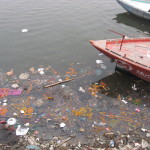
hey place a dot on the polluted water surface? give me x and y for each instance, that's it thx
(68, 107)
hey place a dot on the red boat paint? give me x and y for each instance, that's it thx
(131, 54)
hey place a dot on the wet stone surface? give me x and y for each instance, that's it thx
(99, 114)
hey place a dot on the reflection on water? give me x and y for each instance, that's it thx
(133, 21)
(122, 83)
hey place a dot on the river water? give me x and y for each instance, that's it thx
(59, 31)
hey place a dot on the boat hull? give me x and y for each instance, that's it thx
(130, 66)
(134, 10)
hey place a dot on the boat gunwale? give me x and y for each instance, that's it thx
(147, 12)
(132, 62)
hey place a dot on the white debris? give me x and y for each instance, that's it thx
(41, 71)
(79, 144)
(15, 114)
(25, 30)
(81, 89)
(102, 124)
(137, 145)
(22, 111)
(124, 101)
(11, 121)
(4, 104)
(144, 130)
(145, 144)
(134, 87)
(148, 135)
(27, 124)
(5, 100)
(21, 131)
(62, 125)
(99, 61)
(63, 86)
(15, 86)
(60, 80)
(24, 76)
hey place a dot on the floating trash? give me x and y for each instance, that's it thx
(62, 125)
(81, 89)
(5, 100)
(21, 131)
(15, 86)
(111, 143)
(137, 110)
(11, 121)
(63, 86)
(134, 87)
(24, 76)
(60, 80)
(6, 91)
(124, 101)
(4, 104)
(99, 61)
(25, 30)
(41, 71)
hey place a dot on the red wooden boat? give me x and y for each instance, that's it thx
(131, 54)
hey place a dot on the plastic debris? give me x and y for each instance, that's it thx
(99, 61)
(124, 101)
(63, 86)
(144, 130)
(21, 131)
(41, 71)
(15, 114)
(25, 30)
(4, 104)
(81, 89)
(112, 143)
(62, 125)
(7, 91)
(134, 87)
(27, 124)
(137, 110)
(15, 86)
(148, 135)
(145, 144)
(24, 76)
(5, 100)
(102, 124)
(22, 111)
(11, 121)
